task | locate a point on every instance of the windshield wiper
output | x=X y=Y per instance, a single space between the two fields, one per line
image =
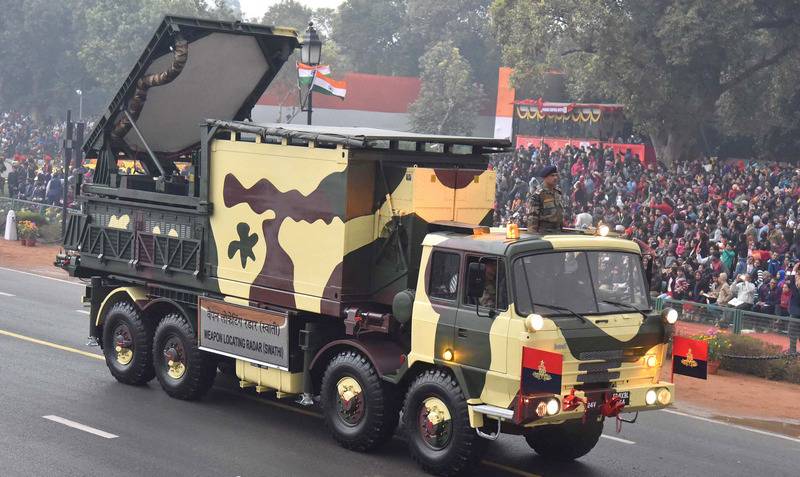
x=561 y=308
x=626 y=305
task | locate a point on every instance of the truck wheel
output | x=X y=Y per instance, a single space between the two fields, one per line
x=127 y=341
x=436 y=422
x=183 y=370
x=360 y=410
x=565 y=442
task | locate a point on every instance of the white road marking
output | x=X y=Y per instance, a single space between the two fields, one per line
x=41 y=276
x=6 y=294
x=83 y=311
x=79 y=426
x=737 y=426
x=618 y=439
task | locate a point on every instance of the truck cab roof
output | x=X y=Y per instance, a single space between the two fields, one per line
x=493 y=242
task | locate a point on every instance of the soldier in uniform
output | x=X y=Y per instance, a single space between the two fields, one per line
x=546 y=206
x=489 y=297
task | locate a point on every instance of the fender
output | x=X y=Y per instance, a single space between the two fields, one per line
x=155 y=305
x=137 y=295
x=387 y=356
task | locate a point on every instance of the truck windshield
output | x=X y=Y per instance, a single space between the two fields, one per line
x=585 y=282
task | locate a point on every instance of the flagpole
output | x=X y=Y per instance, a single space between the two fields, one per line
x=310 y=96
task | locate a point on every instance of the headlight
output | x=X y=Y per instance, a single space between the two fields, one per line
x=541 y=409
x=651 y=361
x=534 y=322
x=650 y=397
x=670 y=315
x=664 y=396
x=553 y=407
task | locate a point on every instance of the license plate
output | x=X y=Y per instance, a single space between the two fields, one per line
x=595 y=400
x=625 y=396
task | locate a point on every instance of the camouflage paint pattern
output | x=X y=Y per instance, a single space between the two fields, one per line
x=301 y=227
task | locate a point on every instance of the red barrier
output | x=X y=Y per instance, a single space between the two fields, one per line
x=646 y=152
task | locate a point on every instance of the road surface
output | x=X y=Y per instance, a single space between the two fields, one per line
x=62 y=414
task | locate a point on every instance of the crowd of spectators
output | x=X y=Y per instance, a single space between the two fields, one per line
x=717 y=232
x=30 y=164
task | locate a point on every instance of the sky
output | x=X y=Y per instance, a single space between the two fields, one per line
x=256 y=8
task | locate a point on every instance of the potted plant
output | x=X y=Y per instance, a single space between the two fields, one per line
x=718 y=344
x=27 y=232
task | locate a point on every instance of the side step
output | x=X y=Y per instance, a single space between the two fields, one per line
x=494 y=412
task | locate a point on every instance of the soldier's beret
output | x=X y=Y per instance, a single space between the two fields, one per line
x=547 y=170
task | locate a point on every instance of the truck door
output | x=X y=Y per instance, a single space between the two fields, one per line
x=435 y=310
x=482 y=324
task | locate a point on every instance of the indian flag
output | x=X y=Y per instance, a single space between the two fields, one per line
x=319 y=78
x=305 y=73
x=327 y=85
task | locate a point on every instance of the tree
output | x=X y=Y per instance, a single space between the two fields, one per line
x=669 y=61
x=117 y=32
x=38 y=44
x=367 y=32
x=449 y=100
x=766 y=109
x=465 y=22
x=288 y=13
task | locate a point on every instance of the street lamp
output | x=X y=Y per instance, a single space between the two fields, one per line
x=310 y=54
x=80 y=104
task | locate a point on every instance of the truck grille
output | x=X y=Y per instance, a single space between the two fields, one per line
x=600 y=372
x=592 y=355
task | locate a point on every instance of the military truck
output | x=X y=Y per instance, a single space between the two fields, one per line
x=350 y=268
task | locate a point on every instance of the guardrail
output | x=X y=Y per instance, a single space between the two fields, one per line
x=740 y=321
x=768 y=327
x=51 y=215
x=7 y=203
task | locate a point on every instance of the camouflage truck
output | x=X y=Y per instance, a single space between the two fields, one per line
x=350 y=267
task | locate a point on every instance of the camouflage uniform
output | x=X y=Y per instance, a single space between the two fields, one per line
x=546 y=211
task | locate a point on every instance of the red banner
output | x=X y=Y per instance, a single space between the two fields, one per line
x=690 y=357
x=541 y=371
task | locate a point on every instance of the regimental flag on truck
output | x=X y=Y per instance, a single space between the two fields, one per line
x=541 y=371
x=318 y=78
x=690 y=357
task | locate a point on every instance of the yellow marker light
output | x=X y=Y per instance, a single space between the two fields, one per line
x=541 y=409
x=650 y=397
x=534 y=323
x=447 y=355
x=553 y=406
x=651 y=361
x=512 y=231
x=664 y=396
x=670 y=315
x=603 y=230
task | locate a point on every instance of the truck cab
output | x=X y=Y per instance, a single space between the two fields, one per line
x=540 y=329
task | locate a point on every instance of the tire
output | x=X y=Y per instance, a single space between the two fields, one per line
x=565 y=442
x=368 y=418
x=192 y=371
x=453 y=448
x=127 y=344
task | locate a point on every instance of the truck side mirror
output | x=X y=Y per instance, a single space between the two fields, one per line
x=476 y=281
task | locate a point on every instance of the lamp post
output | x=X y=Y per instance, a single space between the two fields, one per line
x=310 y=54
x=80 y=104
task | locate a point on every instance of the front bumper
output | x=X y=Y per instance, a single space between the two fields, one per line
x=635 y=403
